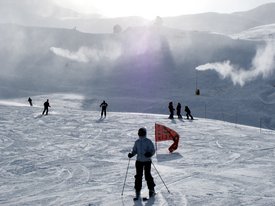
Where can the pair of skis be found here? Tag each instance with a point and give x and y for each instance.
(144, 198)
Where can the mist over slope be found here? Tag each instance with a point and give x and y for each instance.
(139, 70)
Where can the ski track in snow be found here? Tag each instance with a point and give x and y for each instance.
(72, 157)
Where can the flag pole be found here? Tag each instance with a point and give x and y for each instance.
(156, 144)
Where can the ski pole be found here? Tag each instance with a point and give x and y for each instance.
(161, 178)
(125, 177)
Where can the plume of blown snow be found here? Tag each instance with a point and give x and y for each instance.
(262, 66)
(86, 54)
(79, 55)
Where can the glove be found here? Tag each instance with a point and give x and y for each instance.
(148, 154)
(130, 155)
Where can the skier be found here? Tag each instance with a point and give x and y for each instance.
(103, 106)
(188, 112)
(30, 101)
(46, 107)
(144, 148)
(171, 110)
(179, 111)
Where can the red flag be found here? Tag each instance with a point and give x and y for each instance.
(163, 133)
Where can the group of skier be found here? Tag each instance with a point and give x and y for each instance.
(178, 108)
(46, 106)
(103, 106)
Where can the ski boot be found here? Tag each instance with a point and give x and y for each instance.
(137, 195)
(152, 193)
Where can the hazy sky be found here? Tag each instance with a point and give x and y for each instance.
(152, 8)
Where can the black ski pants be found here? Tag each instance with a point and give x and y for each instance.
(171, 116)
(103, 111)
(189, 115)
(45, 110)
(146, 166)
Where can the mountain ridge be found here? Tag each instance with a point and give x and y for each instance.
(216, 22)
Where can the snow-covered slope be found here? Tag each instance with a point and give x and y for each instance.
(72, 157)
(260, 33)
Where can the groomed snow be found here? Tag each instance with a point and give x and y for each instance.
(72, 157)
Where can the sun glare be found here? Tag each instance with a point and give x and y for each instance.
(148, 9)
(81, 6)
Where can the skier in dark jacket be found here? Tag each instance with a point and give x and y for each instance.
(171, 110)
(188, 112)
(179, 111)
(46, 107)
(144, 148)
(103, 106)
(30, 101)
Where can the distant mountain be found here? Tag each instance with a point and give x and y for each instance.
(211, 22)
(34, 13)
(45, 13)
(224, 23)
(264, 14)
